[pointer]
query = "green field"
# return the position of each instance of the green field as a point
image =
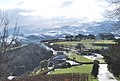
(87, 43)
(75, 69)
(105, 42)
(76, 42)
(78, 58)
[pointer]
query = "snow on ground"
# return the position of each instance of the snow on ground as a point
(10, 77)
(94, 57)
(72, 62)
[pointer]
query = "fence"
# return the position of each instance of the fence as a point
(56, 77)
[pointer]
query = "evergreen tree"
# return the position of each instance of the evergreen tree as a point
(95, 68)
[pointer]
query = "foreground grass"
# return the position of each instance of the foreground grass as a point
(76, 69)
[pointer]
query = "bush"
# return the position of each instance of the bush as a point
(64, 65)
(95, 68)
(96, 51)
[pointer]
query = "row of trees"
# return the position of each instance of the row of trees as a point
(113, 59)
(79, 37)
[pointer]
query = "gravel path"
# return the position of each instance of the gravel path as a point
(104, 74)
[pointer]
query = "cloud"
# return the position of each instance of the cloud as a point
(66, 4)
(58, 11)
(74, 8)
(21, 2)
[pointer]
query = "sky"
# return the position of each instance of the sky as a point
(55, 12)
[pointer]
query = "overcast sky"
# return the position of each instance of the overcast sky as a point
(55, 12)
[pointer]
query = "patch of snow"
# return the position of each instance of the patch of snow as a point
(117, 37)
(72, 62)
(93, 57)
(10, 77)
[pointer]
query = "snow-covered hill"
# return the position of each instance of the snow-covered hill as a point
(85, 28)
(20, 39)
(34, 32)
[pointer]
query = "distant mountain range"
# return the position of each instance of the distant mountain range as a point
(84, 28)
(34, 32)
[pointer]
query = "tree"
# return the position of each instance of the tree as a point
(113, 59)
(79, 37)
(114, 14)
(4, 45)
(69, 38)
(44, 64)
(113, 56)
(90, 36)
(80, 47)
(95, 68)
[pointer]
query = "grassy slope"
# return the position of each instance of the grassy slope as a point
(75, 69)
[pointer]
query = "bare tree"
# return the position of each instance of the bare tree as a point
(112, 57)
(114, 14)
(4, 44)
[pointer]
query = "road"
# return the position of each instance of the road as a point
(104, 74)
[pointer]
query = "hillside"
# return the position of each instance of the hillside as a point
(25, 58)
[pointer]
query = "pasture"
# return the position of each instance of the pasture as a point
(93, 44)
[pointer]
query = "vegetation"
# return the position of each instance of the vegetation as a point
(113, 59)
(57, 47)
(104, 42)
(44, 64)
(114, 14)
(80, 47)
(39, 72)
(95, 68)
(4, 45)
(64, 65)
(75, 69)
(87, 43)
(113, 55)
(78, 58)
(57, 77)
(79, 37)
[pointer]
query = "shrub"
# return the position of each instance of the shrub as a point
(64, 65)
